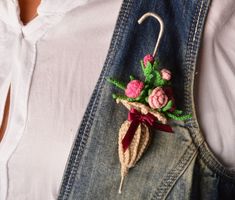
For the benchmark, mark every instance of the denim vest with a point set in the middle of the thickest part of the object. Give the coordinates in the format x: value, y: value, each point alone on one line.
x: 175, y: 166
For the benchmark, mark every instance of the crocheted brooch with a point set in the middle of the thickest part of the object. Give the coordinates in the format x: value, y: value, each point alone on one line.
x: 150, y: 103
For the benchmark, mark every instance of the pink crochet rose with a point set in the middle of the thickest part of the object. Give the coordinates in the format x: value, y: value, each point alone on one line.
x: 158, y: 98
x: 166, y: 74
x: 148, y: 58
x: 134, y: 88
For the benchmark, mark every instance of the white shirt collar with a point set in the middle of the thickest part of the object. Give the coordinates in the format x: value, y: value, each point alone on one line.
x: 9, y: 9
x: 59, y: 6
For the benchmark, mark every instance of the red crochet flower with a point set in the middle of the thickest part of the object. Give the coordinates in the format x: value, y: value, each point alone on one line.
x: 134, y: 88
x: 148, y: 58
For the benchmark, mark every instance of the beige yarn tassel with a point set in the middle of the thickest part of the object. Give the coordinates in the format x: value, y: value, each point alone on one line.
x: 136, y: 149
x: 140, y: 140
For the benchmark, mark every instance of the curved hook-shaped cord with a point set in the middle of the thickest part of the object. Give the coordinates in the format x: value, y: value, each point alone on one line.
x: 156, y: 16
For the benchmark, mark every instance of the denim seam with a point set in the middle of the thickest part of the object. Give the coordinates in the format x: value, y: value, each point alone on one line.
x: 212, y: 163
x: 204, y: 152
x: 83, y: 133
x: 192, y: 42
x: 169, y: 180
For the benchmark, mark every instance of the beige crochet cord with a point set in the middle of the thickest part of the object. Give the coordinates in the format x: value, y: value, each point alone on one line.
x: 143, y: 109
x: 140, y: 140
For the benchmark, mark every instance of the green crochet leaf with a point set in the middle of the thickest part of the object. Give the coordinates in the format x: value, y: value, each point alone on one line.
x: 149, y: 67
x: 117, y: 83
x: 177, y: 112
x: 158, y: 80
x: 142, y: 65
x: 179, y: 118
x: 132, y: 78
x: 150, y: 91
x: 168, y: 106
x: 142, y: 96
x: 146, y: 69
x: 149, y: 78
x: 156, y: 64
x: 123, y: 97
x: 146, y: 86
x: 146, y: 99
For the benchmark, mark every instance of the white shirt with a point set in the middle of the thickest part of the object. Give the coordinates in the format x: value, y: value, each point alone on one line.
x: 52, y: 64
x: 216, y: 80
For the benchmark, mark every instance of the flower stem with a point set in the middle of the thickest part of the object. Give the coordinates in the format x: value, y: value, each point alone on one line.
x: 117, y: 83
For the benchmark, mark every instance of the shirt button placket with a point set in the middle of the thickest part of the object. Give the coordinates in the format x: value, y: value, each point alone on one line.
x: 24, y: 63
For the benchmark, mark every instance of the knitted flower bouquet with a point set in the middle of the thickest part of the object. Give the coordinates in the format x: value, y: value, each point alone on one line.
x: 150, y: 104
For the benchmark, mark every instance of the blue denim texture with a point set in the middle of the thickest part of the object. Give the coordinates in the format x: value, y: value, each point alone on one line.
x: 176, y: 166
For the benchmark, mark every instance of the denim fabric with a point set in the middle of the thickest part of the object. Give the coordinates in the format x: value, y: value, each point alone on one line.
x: 176, y: 166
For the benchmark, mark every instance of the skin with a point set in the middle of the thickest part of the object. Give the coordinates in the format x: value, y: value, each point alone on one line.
x: 5, y: 116
x: 28, y: 11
